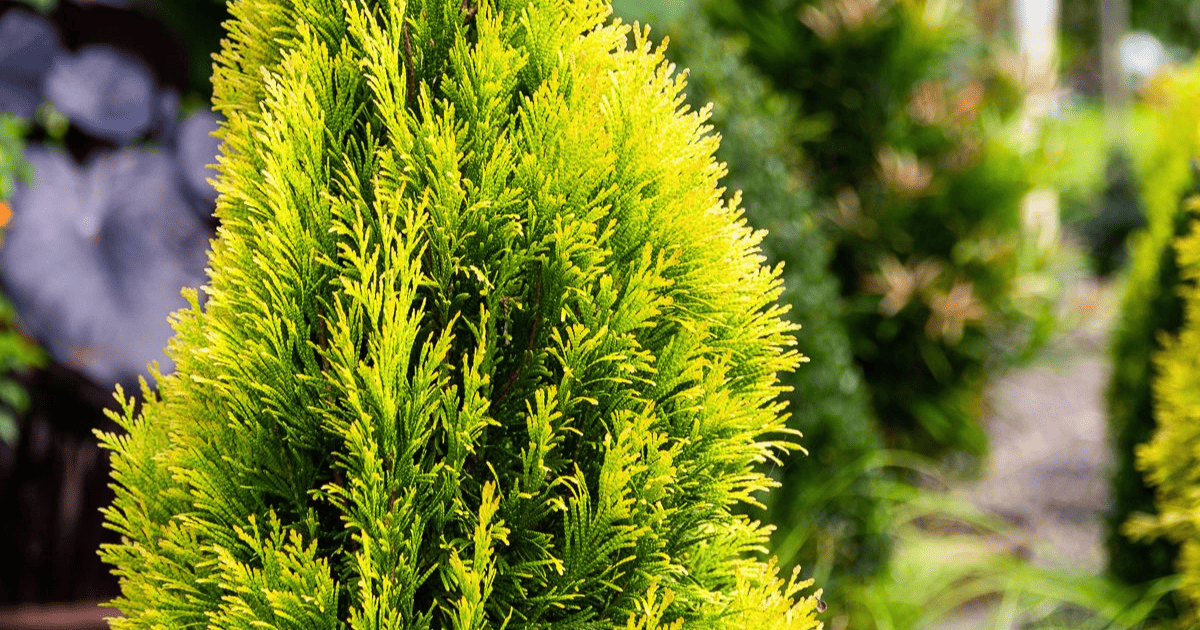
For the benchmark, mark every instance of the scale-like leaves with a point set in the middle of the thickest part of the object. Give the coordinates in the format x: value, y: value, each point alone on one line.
x: 484, y: 345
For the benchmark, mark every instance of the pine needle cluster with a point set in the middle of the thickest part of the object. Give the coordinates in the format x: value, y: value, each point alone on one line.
x: 483, y: 345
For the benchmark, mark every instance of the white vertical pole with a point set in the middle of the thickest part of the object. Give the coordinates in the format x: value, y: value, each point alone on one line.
x: 1114, y: 21
x: 1037, y: 40
x: 1037, y: 27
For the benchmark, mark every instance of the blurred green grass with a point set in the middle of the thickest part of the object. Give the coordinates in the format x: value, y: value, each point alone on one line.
x: 957, y: 567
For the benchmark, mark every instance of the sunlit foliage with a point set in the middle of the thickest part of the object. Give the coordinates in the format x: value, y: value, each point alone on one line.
x: 484, y: 346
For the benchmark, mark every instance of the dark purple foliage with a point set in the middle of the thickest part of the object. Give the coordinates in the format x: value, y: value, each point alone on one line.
x: 106, y: 92
x: 166, y: 115
x: 28, y: 46
x: 196, y: 149
x: 94, y: 259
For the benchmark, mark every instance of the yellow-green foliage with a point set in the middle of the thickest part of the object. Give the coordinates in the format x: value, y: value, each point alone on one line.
x: 483, y: 345
x: 1150, y: 307
x: 1171, y: 460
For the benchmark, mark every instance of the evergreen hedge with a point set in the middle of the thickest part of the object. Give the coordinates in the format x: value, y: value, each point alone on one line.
x: 483, y: 344
x: 1169, y: 459
x: 1150, y: 308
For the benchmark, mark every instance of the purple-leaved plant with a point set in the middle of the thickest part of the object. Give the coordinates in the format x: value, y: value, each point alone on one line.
x: 28, y: 47
x: 94, y: 258
x: 105, y: 92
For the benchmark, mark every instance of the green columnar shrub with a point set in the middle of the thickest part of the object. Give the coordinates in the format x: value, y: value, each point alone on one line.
x: 1131, y: 410
x: 1169, y: 460
x: 1150, y: 308
x: 483, y: 344
x: 899, y: 129
x: 827, y: 509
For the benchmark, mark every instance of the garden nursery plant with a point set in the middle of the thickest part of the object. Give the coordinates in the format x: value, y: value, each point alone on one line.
x: 484, y: 343
x: 1158, y: 428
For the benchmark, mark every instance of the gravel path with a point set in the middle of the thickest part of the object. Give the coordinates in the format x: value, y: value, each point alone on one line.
x: 1049, y: 459
x: 1047, y: 472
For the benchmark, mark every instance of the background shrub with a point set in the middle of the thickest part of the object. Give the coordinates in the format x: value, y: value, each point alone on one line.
x: 1119, y: 214
x: 1099, y: 185
x: 897, y: 123
x: 483, y: 344
x: 13, y: 165
x: 1174, y: 22
x: 1150, y: 309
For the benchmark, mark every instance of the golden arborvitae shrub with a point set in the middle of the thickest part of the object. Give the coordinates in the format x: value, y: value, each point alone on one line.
x: 1151, y: 310
x: 484, y: 345
x: 1171, y: 459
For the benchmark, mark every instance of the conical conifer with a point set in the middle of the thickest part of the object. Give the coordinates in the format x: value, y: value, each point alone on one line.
x: 483, y: 345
